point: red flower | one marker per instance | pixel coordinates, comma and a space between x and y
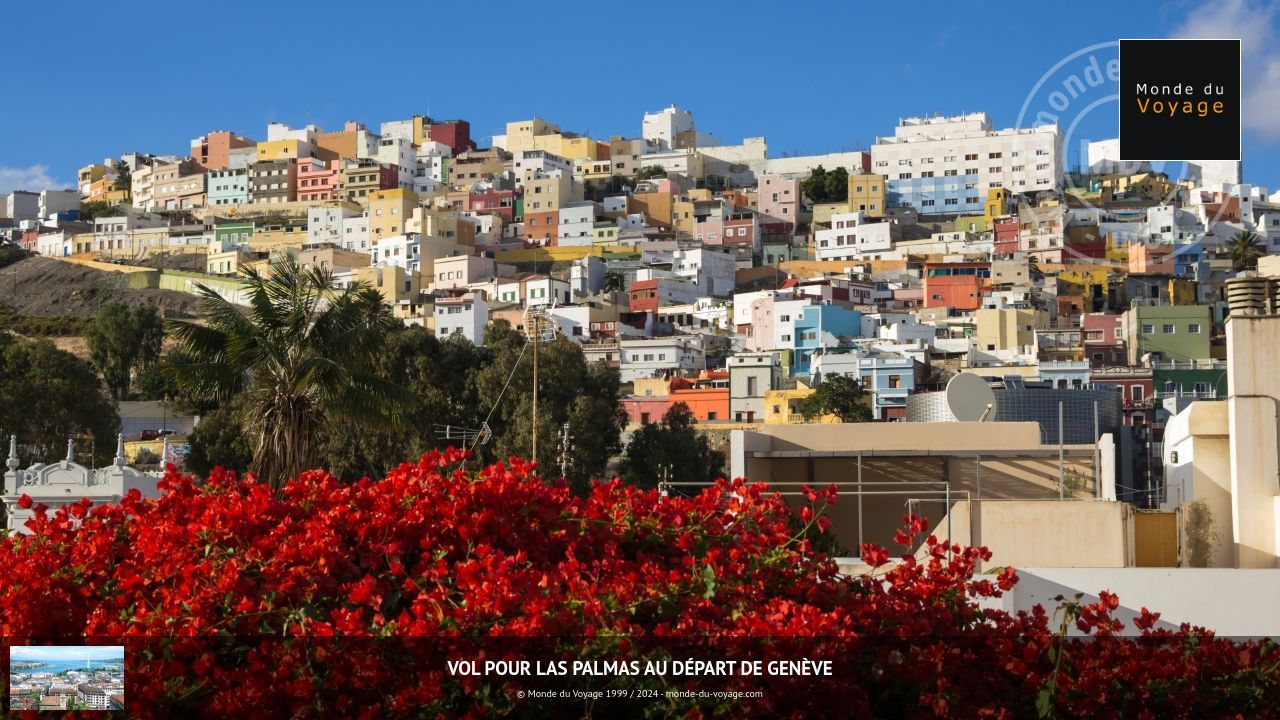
25, 501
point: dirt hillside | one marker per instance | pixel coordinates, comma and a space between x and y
44, 286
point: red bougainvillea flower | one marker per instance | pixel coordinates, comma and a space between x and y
334, 600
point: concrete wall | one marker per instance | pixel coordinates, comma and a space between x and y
1253, 374
933, 455
1045, 533
1180, 595
1200, 482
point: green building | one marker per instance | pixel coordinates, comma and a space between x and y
232, 234
1168, 332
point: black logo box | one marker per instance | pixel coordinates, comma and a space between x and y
1186, 68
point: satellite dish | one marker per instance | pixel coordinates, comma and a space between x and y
970, 398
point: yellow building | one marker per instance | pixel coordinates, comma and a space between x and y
283, 149
395, 284
782, 407
521, 134
1078, 280
88, 175
1148, 186
997, 204
390, 212
274, 238
1006, 328
605, 234
867, 194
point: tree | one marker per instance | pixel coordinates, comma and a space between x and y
651, 171
438, 375
838, 395
90, 211
220, 441
614, 281
824, 187
571, 392
124, 340
672, 449
124, 176
304, 354
1244, 249
46, 394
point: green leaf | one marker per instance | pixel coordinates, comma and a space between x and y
1044, 702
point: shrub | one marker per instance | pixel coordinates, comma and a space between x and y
332, 600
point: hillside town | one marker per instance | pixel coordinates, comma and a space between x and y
1089, 297
39, 686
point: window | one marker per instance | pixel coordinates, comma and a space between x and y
1202, 389
895, 381
1148, 329
1167, 328
973, 156
971, 171
1136, 392
711, 415
927, 174
952, 201
1119, 333
1193, 328
926, 203
904, 176
993, 156
995, 169
949, 173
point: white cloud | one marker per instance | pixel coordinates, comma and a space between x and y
66, 653
1254, 24
34, 178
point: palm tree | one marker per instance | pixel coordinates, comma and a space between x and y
1244, 249
303, 354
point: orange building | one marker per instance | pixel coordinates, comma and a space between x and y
956, 285
1152, 259
213, 151
542, 228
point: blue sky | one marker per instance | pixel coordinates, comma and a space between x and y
66, 653
89, 80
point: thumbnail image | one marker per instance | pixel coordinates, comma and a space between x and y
66, 677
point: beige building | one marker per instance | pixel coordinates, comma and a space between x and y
390, 212
1006, 329
472, 166
177, 185
544, 192
522, 134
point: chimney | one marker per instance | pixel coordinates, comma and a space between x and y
1251, 294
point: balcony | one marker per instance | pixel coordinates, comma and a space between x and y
1210, 394
1189, 365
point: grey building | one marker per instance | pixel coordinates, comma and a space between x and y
273, 181
751, 375
1019, 400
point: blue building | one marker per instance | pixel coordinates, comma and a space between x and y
946, 195
822, 326
888, 378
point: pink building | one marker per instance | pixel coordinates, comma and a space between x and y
779, 202
1104, 339
1151, 259
317, 180
760, 332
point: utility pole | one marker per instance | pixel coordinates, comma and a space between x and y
534, 317
564, 451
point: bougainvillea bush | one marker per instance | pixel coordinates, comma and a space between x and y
333, 600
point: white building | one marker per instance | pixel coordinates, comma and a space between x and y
23, 205
1104, 159
465, 315
654, 357
64, 483
664, 128
355, 232
53, 202
577, 224
324, 223
851, 237
460, 271
946, 165
714, 272
403, 251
